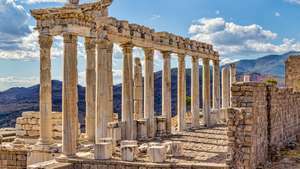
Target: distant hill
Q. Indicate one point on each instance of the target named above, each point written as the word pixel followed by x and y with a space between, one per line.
pixel 16 100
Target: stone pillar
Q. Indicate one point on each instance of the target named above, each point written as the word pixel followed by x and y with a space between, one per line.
pixel 166 90
pixel 181 92
pixel 104 52
pixel 110 82
pixel 206 91
pixel 138 90
pixel 45 42
pixel 232 78
pixel 216 84
pixel 127 91
pixel 225 88
pixel 149 92
pixel 195 93
pixel 70 96
pixel 90 92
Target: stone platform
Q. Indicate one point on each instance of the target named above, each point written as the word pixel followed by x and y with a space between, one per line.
pixel 203 148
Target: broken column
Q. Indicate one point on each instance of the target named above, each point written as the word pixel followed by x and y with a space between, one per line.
pixel 141 129
pixel 181 92
pixel 70 97
pixel 103 150
pixel 45 42
pixel 157 154
pixel 149 92
pixel 90 94
pixel 206 91
pixel 225 87
pixel 127 91
pixel 166 90
pixel 232 78
pixel 138 89
pixel 195 93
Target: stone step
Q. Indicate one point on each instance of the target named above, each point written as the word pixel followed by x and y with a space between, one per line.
pixel 8 139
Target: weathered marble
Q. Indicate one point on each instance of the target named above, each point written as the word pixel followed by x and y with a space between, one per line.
pixel 166 90
pixel 225 87
pixel 70 96
pixel 103 151
pixel 127 91
pixel 157 154
pixel 90 94
pixel 138 89
pixel 206 91
pixel 149 92
pixel 195 93
pixel 216 85
pixel 181 92
pixel 45 42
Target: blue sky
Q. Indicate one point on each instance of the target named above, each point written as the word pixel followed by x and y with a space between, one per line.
pixel 238 29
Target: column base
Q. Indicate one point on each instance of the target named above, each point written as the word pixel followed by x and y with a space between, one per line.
pixel 43 152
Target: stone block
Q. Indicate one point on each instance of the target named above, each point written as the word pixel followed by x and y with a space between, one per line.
pixel 157 154
pixel 161 126
pixel 174 148
pixel 103 151
pixel 142 129
pixel 128 152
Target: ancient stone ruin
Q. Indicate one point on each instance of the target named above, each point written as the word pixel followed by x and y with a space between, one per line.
pixel 243 129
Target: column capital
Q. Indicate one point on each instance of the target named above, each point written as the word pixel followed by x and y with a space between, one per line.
pixel 166 54
pixel 232 65
pixel 216 62
pixel 149 51
pixel 195 58
pixel 70 38
pixel 127 47
pixel 181 55
pixel 90 43
pixel 45 41
pixel 205 60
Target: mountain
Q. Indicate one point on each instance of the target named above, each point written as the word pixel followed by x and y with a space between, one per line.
pixel 267 65
pixel 16 100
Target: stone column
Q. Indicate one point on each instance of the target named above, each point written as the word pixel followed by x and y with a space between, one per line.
pixel 90 92
pixel 70 96
pixel 149 92
pixel 181 92
pixel 166 90
pixel 195 92
pixel 216 84
pixel 225 88
pixel 45 42
pixel 127 91
pixel 110 82
pixel 232 77
pixel 206 91
pixel 102 89
pixel 138 90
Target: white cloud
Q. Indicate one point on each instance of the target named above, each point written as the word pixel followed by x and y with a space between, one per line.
pixel 233 40
pixel 293 1
pixel 13 81
pixel 155 17
pixel 277 14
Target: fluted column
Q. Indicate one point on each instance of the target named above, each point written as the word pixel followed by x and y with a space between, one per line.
pixel 70 97
pixel 166 90
pixel 45 42
pixel 149 92
pixel 181 92
pixel 216 84
pixel 225 87
pixel 90 92
pixel 127 91
pixel 195 92
pixel 110 82
pixel 138 89
pixel 206 91
pixel 102 88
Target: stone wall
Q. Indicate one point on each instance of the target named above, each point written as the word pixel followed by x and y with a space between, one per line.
pixel 12 158
pixel 263 118
pixel 284 116
pixel 292 73
pixel 28 125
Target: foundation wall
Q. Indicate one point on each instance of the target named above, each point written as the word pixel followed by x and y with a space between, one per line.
pixel 12 158
pixel 263 118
